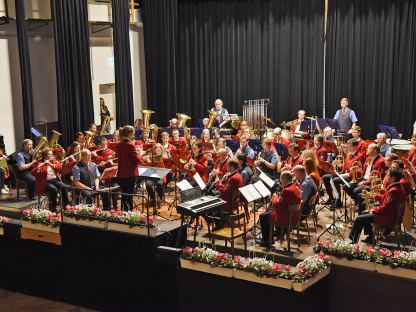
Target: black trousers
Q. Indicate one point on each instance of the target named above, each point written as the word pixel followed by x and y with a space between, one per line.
pixel 30 181
pixel 150 188
pixel 364 221
pixel 52 188
pixel 89 196
pixel 337 182
pixel 265 226
pixel 127 185
pixel 2 179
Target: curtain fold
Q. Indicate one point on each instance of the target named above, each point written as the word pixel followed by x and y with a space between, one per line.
pixel 122 63
pixel 371 53
pixel 25 69
pixel 197 51
pixel 73 71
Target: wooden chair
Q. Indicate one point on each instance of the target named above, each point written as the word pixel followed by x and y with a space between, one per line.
pixel 313 201
pixel 398 233
pixel 19 183
pixel 292 209
pixel 232 231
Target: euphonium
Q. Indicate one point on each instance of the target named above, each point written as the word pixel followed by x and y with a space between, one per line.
pixel 104 126
pixel 42 144
pixel 376 181
pixel 146 117
pixel 88 137
pixel 355 169
pixel 338 163
pixel 182 119
pixel 235 124
pixel 53 142
pixel 212 117
pixel 155 131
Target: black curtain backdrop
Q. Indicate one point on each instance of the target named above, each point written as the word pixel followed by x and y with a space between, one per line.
pixel 197 51
pixel 25 70
pixel 371 54
pixel 122 63
pixel 73 72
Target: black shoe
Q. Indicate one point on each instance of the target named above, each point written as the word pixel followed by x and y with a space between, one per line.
pixel 368 240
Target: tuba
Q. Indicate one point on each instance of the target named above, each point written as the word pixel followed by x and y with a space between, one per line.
pixel 182 119
pixel 42 144
pixel 146 117
pixel 53 142
pixel 88 138
pixel 104 126
pixel 212 117
pixel 155 131
pixel 235 124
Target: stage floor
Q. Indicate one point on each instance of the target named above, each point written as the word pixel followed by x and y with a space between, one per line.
pixel 12 208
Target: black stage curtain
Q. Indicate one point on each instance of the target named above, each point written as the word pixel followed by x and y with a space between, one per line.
pixel 197 51
pixel 122 63
pixel 25 71
pixel 73 72
pixel 371 57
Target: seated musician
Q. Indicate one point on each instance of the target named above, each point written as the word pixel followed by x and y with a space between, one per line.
pixel 243 127
pixel 205 122
pixel 221 111
pixel 47 173
pixel 384 215
pixel 245 148
pixel 173 123
pixel 103 151
pixel 406 181
pixel 268 159
pixel 228 186
pixel 86 180
pixel 411 157
pixel 128 161
pixel 25 163
pixel 307 187
pixel 295 157
pixel 4 172
pixel 329 135
pixel 115 140
pixel 176 140
pixel 277 137
pixel 221 165
pixel 209 147
pixel 156 161
pixel 373 163
pixel 385 148
pixel 80 139
pixel 198 162
pixel 279 214
pixel 138 123
pixel 356 134
pixel 244 169
pixel 312 171
pixel 318 148
pixel 146 137
pixel 93 128
pixel 352 156
pixel 222 143
pixel 167 147
pixel 295 129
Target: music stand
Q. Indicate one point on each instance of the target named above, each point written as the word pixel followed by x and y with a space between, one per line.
pixel 255 144
pixel 233 145
pixel 281 150
pixel 251 195
pixel 307 126
pixel 390 131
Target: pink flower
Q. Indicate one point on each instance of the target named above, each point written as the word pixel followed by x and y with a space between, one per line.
pixel 320 244
pixel 195 250
pixel 299 271
pixel 218 257
pixel 326 258
pixel 237 259
pixel 370 250
pixel 397 253
pixel 288 268
pixel 321 255
pixel 276 267
pixel 119 212
pixel 187 250
pixel 328 243
pixel 388 253
pixel 356 248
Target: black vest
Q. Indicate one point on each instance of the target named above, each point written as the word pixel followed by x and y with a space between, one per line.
pixel 270 172
pixel 344 120
pixel 27 158
pixel 86 174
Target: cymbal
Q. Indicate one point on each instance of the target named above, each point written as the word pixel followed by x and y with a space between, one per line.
pixel 292 123
pixel 269 120
pixel 311 118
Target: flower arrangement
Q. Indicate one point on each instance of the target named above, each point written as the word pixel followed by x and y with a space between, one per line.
pixel 3 220
pixel 131 218
pixel 261 267
pixel 84 212
pixel 42 216
pixel 340 249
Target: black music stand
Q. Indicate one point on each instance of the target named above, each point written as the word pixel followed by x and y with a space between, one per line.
pixel 153 174
pixel 281 150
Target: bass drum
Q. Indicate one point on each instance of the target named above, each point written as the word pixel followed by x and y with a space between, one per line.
pixel 402 149
pixel 287 135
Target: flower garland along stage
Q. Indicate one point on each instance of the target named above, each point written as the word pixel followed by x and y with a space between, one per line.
pixel 395 263
pixel 41 225
pixel 258 270
pixel 133 222
pixel 3 220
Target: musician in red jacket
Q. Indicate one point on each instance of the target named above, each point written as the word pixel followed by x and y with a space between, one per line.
pixel 128 160
pixel 411 157
pixel 228 188
pixel 318 148
pixel 47 173
pixel 221 166
pixel 198 162
pixel 295 157
pixel 177 141
pixel 279 214
pixel 384 215
pixel 277 138
pixel 356 134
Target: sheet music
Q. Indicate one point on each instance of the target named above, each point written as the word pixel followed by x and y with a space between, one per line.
pixel 334 189
pixel 184 185
pixel 342 179
pixel 199 181
pixel 262 189
pixel 250 193
pixel 265 178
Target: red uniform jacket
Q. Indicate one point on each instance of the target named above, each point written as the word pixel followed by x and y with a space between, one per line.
pixel 290 195
pixel 411 157
pixel 181 143
pixel 222 167
pixel 350 159
pixel 283 141
pixel 201 167
pixel 378 165
pixel 170 147
pixel 386 213
pixel 128 159
pixel 42 175
pixel 321 153
pixel 294 162
pixel 229 191
pixel 362 147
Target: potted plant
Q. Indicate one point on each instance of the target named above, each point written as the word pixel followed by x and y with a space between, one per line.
pixel 133 222
pixel 42 220
pixel 85 215
pixel 397 263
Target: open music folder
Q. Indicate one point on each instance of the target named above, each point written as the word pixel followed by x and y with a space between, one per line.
pixel 262 189
pixel 250 193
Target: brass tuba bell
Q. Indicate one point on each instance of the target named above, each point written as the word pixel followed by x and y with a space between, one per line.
pixel 146 117
pixel 182 119
pixel 212 117
pixel 89 135
pixel 235 124
pixel 104 126
pixel 42 144
pixel 155 131
pixel 53 142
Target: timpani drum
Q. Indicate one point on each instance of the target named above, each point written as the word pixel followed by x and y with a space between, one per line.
pixel 402 149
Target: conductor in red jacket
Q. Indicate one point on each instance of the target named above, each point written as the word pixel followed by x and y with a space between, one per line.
pixel 384 215
pixel 279 214
pixel 47 173
pixel 128 162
